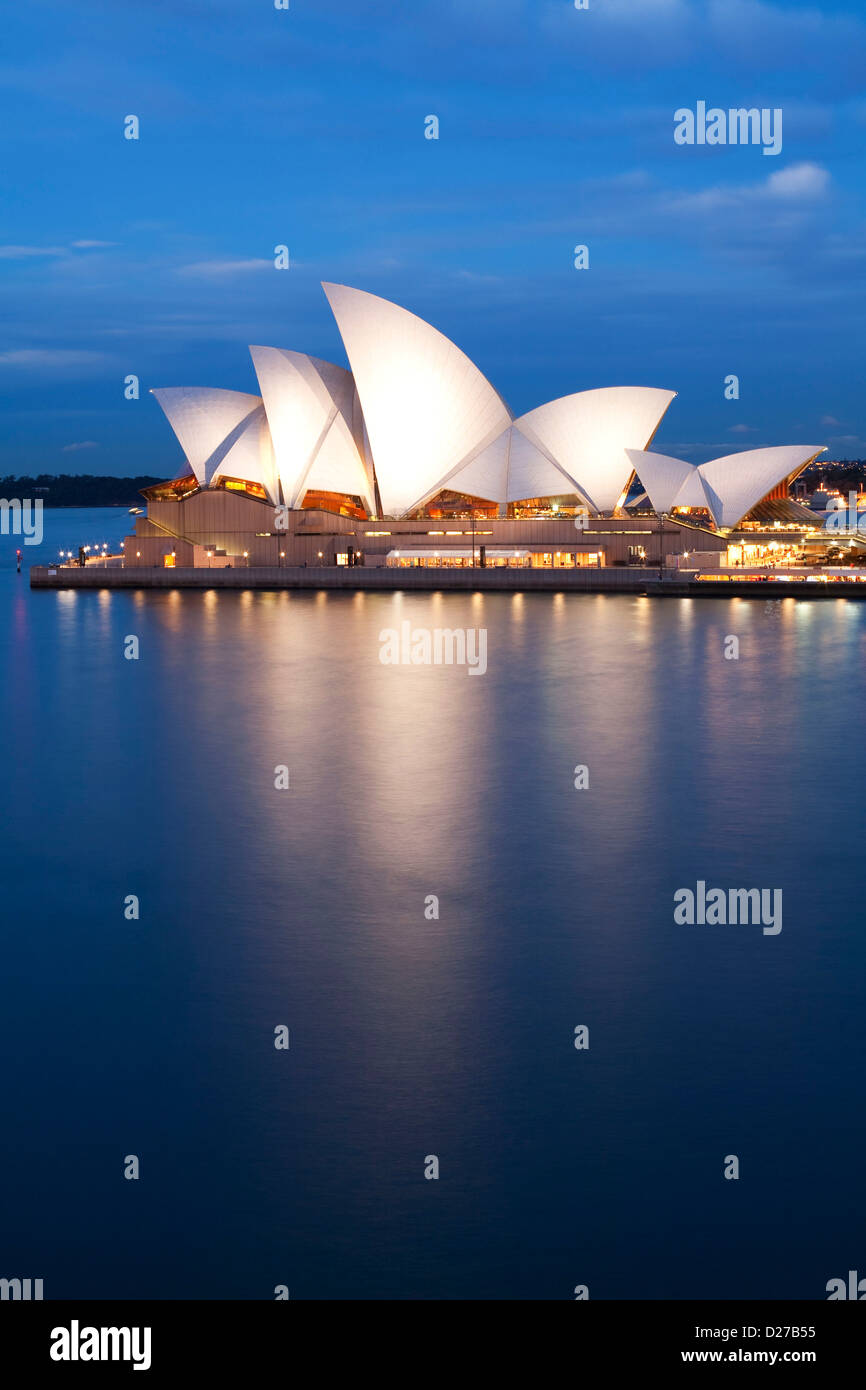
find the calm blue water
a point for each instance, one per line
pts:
(412, 1037)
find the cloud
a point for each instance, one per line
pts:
(16, 253)
(50, 357)
(74, 448)
(478, 279)
(664, 32)
(219, 268)
(741, 33)
(747, 30)
(799, 181)
(741, 429)
(830, 420)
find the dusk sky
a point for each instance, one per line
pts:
(305, 127)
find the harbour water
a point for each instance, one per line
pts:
(412, 1034)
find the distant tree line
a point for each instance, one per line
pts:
(78, 489)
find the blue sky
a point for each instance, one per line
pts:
(305, 127)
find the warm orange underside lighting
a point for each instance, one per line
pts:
(240, 485)
(171, 491)
(340, 502)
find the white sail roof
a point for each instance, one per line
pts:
(589, 432)
(532, 472)
(729, 486)
(427, 407)
(310, 407)
(741, 480)
(416, 416)
(337, 466)
(249, 454)
(576, 444)
(665, 478)
(508, 470)
(484, 475)
(203, 418)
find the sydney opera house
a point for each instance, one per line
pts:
(412, 457)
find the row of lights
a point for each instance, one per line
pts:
(209, 553)
(87, 548)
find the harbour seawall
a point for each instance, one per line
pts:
(387, 580)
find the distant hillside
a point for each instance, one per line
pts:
(78, 490)
(836, 473)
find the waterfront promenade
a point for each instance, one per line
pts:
(675, 584)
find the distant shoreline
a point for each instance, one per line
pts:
(68, 490)
(71, 506)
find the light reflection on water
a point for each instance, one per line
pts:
(413, 1036)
